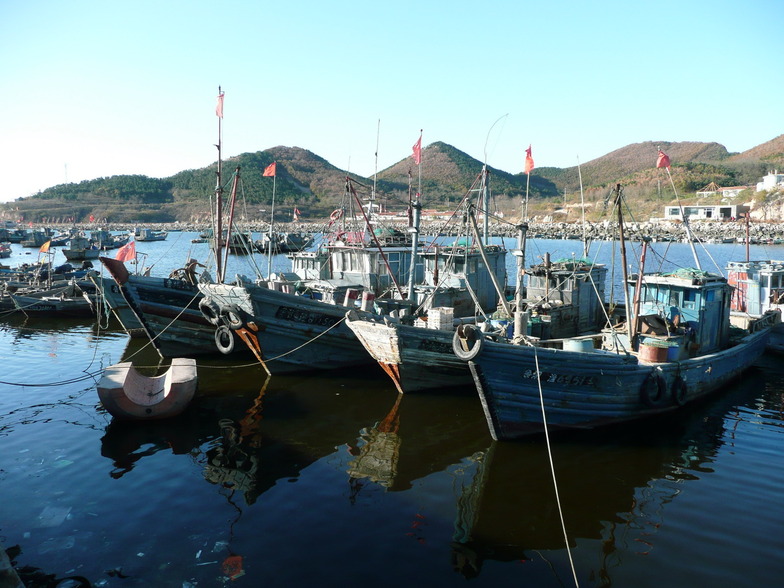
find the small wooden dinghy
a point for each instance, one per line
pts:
(127, 394)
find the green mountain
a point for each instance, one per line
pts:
(316, 187)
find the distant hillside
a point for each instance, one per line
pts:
(316, 187)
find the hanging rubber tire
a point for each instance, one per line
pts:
(467, 342)
(654, 390)
(679, 391)
(224, 339)
(232, 316)
(211, 311)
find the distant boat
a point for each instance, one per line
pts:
(5, 250)
(65, 301)
(81, 248)
(145, 234)
(283, 242)
(127, 394)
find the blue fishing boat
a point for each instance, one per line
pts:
(676, 344)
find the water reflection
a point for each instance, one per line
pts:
(614, 486)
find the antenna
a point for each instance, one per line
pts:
(490, 130)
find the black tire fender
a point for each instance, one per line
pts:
(232, 316)
(653, 390)
(680, 390)
(467, 342)
(224, 339)
(211, 311)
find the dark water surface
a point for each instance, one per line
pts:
(332, 479)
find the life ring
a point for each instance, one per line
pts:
(679, 391)
(467, 342)
(211, 311)
(224, 339)
(232, 316)
(336, 214)
(653, 390)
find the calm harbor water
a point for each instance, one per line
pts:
(333, 479)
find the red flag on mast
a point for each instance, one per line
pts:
(296, 214)
(529, 161)
(663, 160)
(219, 106)
(269, 171)
(127, 252)
(417, 148)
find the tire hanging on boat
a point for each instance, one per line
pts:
(232, 316)
(211, 311)
(467, 342)
(679, 391)
(224, 339)
(653, 390)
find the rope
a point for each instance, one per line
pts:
(552, 469)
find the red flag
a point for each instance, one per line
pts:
(45, 247)
(269, 171)
(219, 106)
(127, 252)
(663, 160)
(296, 214)
(417, 148)
(529, 161)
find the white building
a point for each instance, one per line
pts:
(772, 181)
(708, 212)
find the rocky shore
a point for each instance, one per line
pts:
(709, 232)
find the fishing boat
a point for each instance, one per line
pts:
(80, 248)
(127, 394)
(563, 299)
(65, 301)
(5, 250)
(676, 345)
(283, 242)
(146, 234)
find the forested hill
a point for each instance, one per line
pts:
(315, 186)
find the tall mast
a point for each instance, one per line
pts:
(218, 224)
(618, 203)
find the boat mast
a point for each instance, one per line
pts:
(416, 212)
(217, 224)
(618, 202)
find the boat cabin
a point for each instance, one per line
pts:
(688, 310)
(759, 286)
(565, 298)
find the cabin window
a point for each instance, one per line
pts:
(710, 295)
(775, 281)
(675, 297)
(690, 299)
(765, 281)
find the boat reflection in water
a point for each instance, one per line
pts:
(615, 485)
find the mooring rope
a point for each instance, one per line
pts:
(552, 468)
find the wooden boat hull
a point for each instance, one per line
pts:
(109, 292)
(167, 309)
(295, 333)
(127, 394)
(584, 390)
(415, 358)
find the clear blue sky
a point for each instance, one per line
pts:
(94, 88)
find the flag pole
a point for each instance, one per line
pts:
(664, 161)
(272, 220)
